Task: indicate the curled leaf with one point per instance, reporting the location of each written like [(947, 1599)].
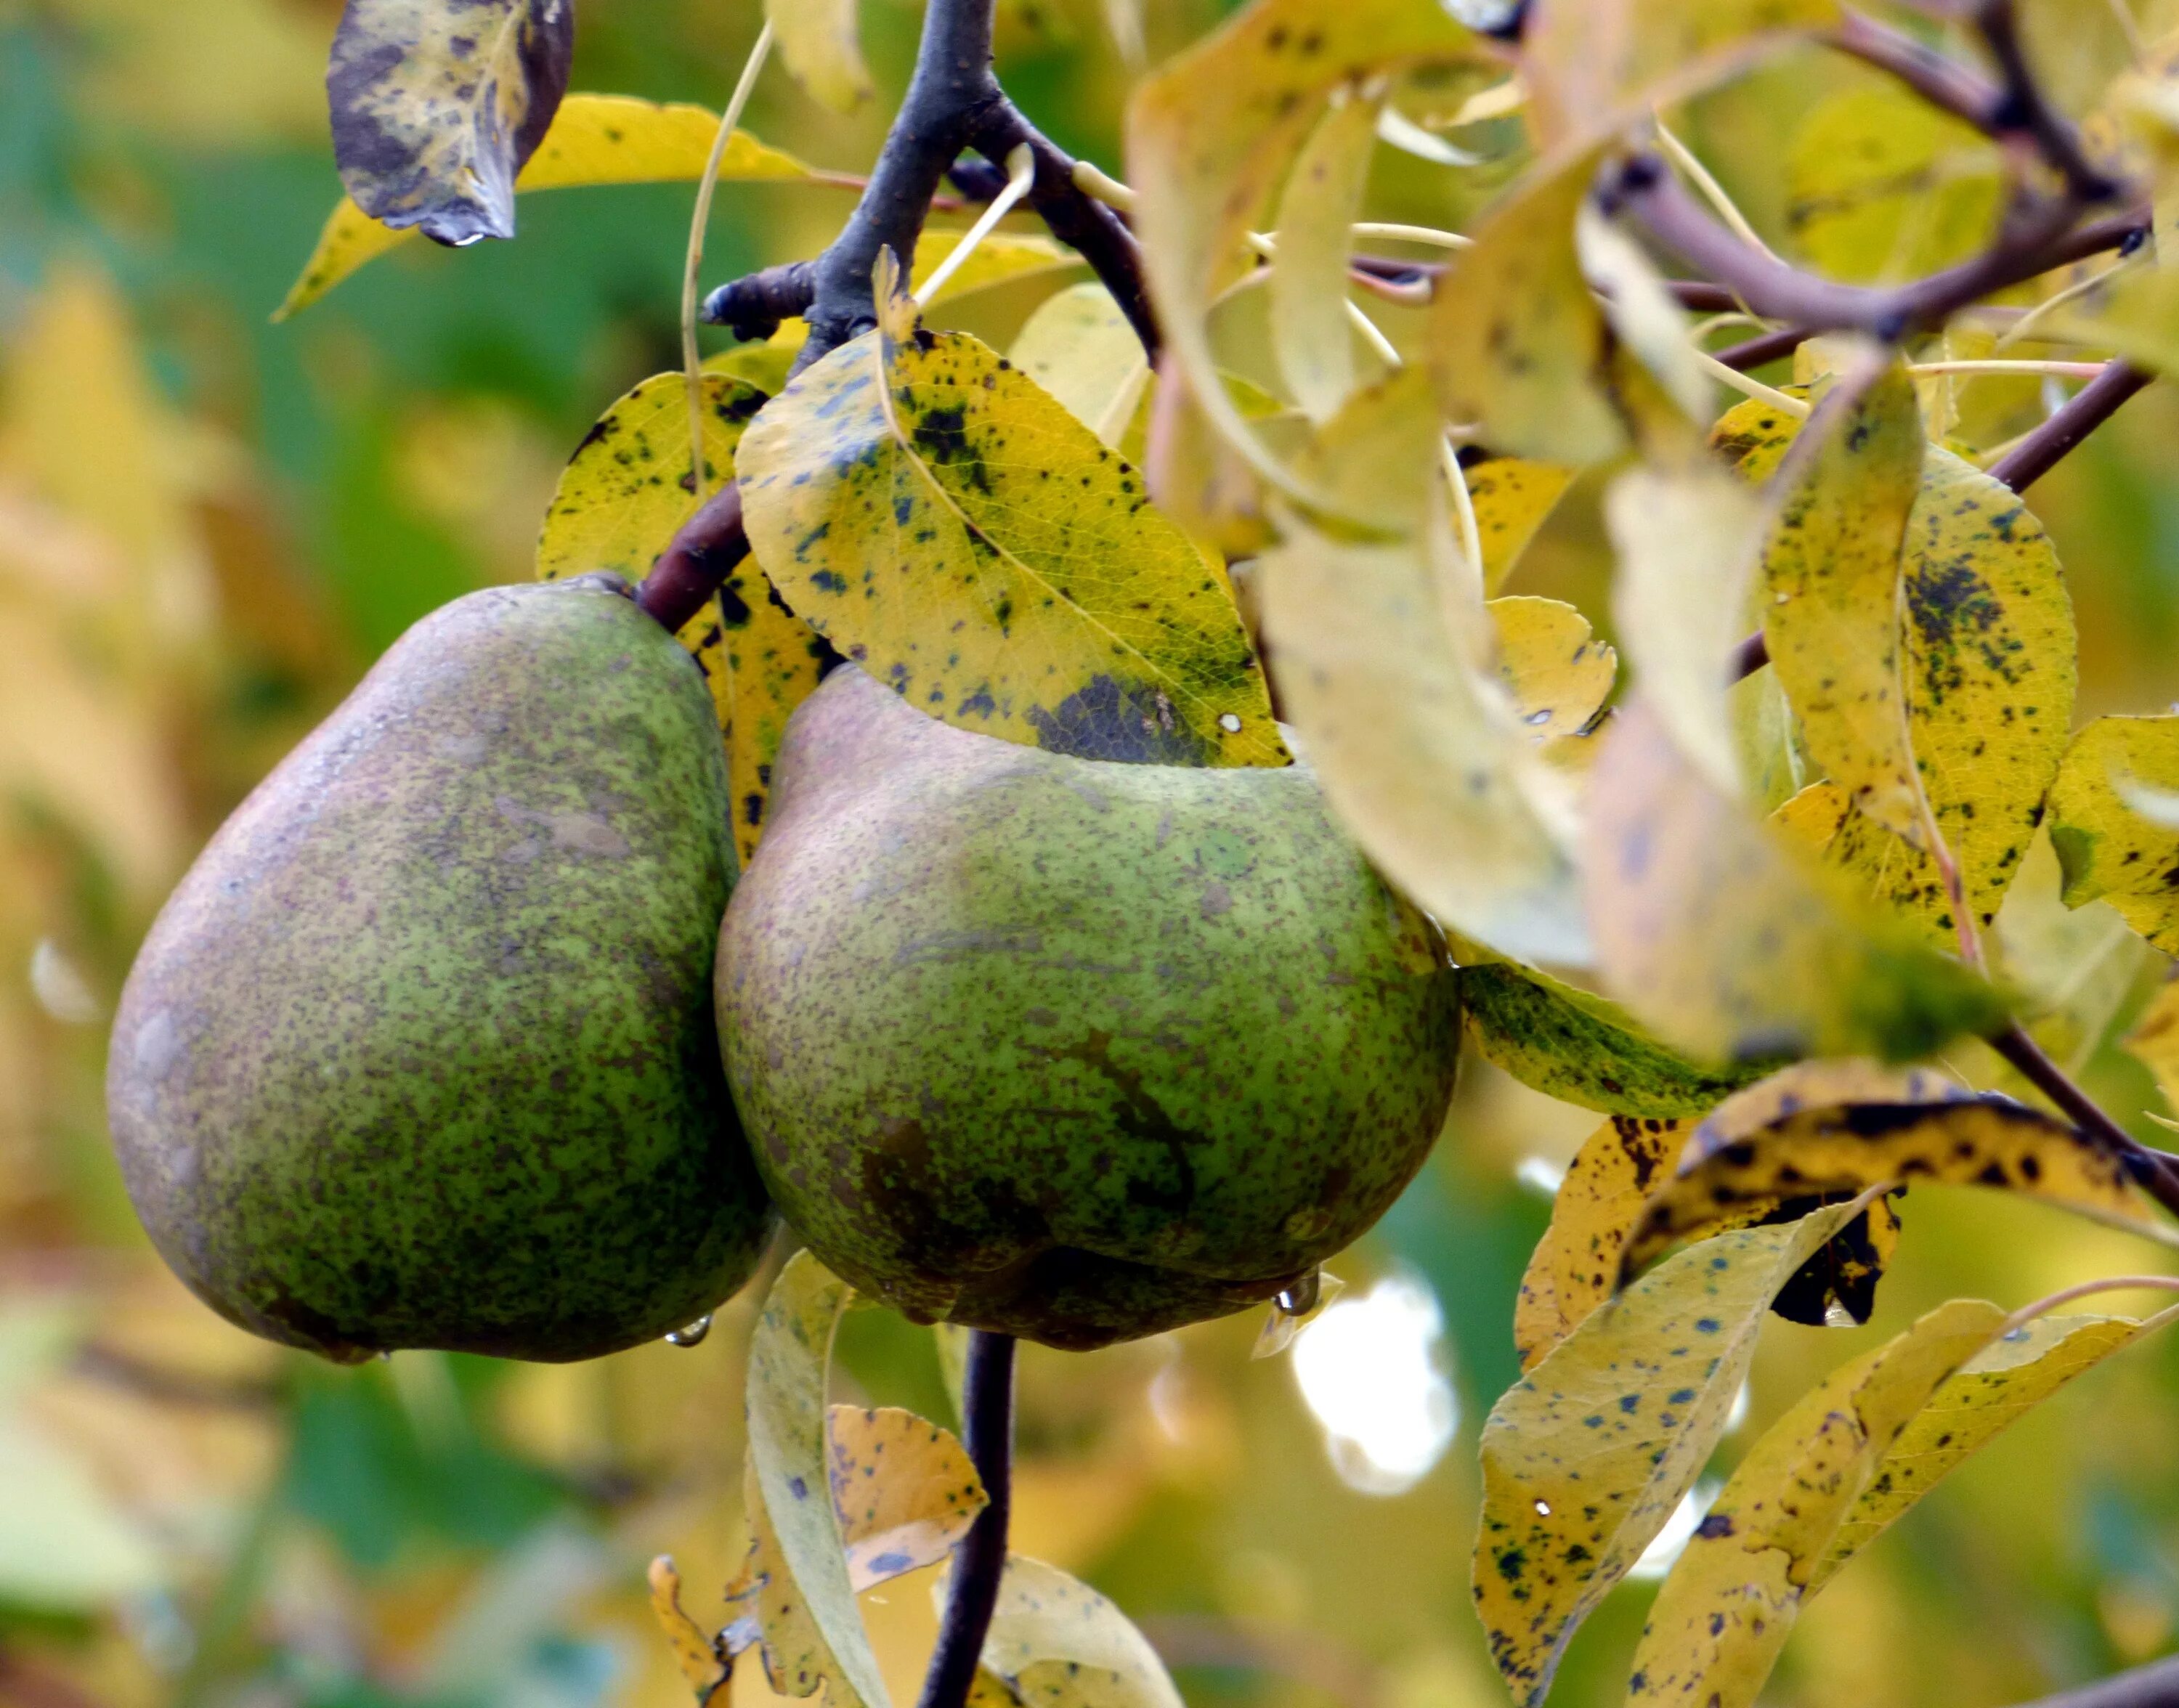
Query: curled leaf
[(593, 139), (1311, 339), (696, 1654), (1585, 1457), (436, 106), (1986, 1141)]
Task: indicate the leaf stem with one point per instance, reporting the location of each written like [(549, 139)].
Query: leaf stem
[(2110, 1284), (979, 1558)]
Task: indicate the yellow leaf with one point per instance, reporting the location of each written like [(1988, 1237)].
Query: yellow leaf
[(700, 1661), (436, 108), (904, 1490), (1550, 662), (1519, 347), (1580, 1048), (1987, 1141), (594, 139), (1884, 186), (1079, 346), (1311, 339), (764, 364), (1686, 540), (621, 500), (1584, 1458), (1592, 64), (819, 42), (2154, 1041), (1056, 1643), (1211, 132), (2106, 846), (1716, 1627), (1380, 666), (1832, 590), (1990, 674), (1512, 499), (947, 524), (1732, 943), (788, 1457), (1978, 1403), (998, 259)]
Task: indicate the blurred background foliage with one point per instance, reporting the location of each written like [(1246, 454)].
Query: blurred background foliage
[(210, 525)]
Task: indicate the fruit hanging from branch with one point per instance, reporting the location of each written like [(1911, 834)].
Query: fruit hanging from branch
[(421, 1053)]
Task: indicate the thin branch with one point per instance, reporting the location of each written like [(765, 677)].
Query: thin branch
[(2154, 1686), (1941, 81), (2087, 409), (698, 561), (979, 1558), (2152, 1170), (2025, 108), (1765, 348), (752, 308), (2035, 239)]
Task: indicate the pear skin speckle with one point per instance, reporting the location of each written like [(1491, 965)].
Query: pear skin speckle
[(1075, 1049), (421, 1052)]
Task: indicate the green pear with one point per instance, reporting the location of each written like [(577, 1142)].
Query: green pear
[(1073, 1049), (421, 1052)]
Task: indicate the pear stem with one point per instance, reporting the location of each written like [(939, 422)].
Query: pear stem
[(979, 1558), (697, 561)]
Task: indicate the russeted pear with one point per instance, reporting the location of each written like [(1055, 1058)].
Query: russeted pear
[(421, 1052), (1073, 1049)]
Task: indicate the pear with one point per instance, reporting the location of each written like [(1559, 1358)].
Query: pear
[(1073, 1049), (421, 1052)]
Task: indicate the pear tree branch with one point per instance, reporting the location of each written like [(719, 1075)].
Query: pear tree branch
[(2156, 1685)]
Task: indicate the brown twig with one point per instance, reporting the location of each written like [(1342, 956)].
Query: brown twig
[(979, 1558), (698, 561), (1941, 81), (2087, 409), (2156, 1685)]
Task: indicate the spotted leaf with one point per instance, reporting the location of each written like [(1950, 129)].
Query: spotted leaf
[(438, 103), (1558, 672), (1985, 1141), (1056, 1643), (1585, 1457), (1512, 499), (620, 500), (2108, 847), (1717, 1626), (945, 521)]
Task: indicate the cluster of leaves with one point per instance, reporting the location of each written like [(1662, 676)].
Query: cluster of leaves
[(1731, 917)]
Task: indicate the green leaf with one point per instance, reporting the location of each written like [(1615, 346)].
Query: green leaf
[(2136, 314), (1214, 130), (947, 523), (2107, 847), (1831, 591), (1056, 1643), (594, 139), (1380, 667), (819, 1639), (1080, 347), (1585, 1458), (1985, 1141), (1518, 348), (819, 42), (1583, 1048), (1734, 944), (1882, 186), (1988, 1394), (1717, 1626), (1311, 339), (436, 107)]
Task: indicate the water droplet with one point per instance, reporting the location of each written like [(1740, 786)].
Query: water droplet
[(1230, 722), (694, 1334), (1300, 1299), (1543, 1509)]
